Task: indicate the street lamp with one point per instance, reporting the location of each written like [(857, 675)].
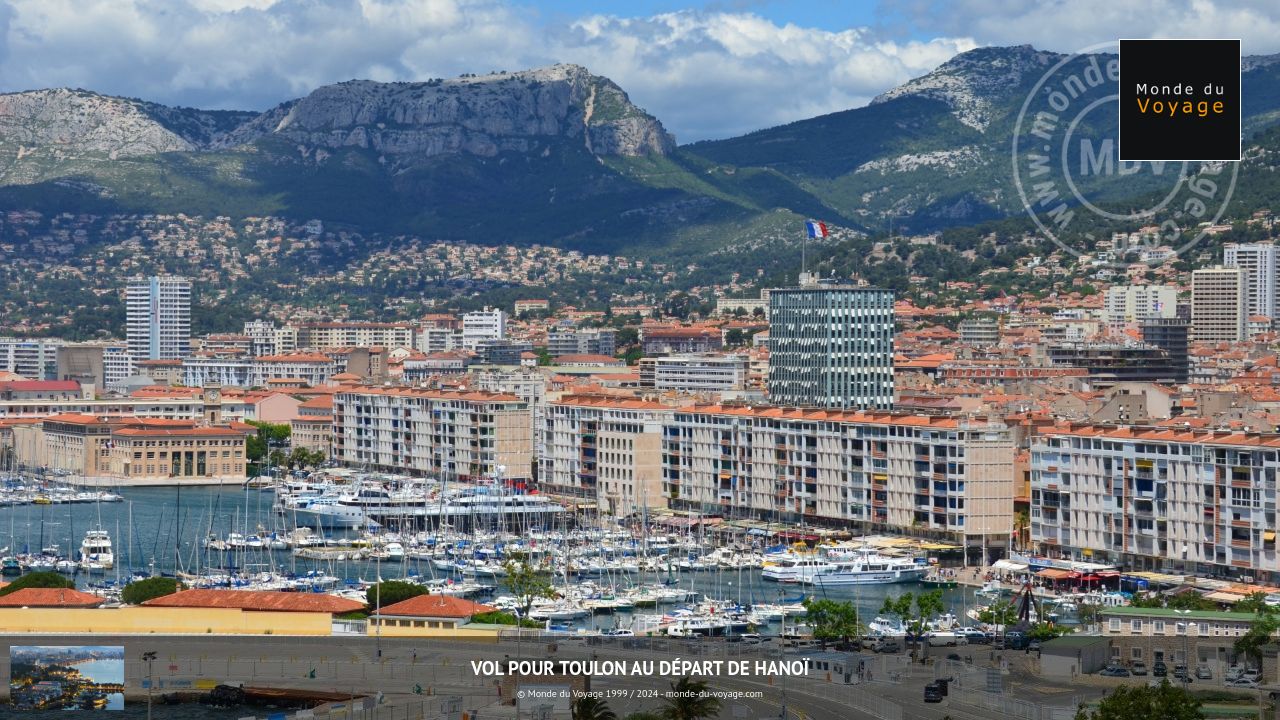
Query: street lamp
[(149, 658), (1186, 659)]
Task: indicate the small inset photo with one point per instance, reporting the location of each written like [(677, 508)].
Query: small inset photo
[(66, 677)]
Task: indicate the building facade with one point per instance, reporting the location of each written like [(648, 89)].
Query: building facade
[(33, 359), (582, 342), (1190, 501), (1125, 304), (159, 318), (486, 324), (831, 346), (875, 471), (1219, 304), (707, 372), (354, 334), (1259, 261), (470, 436), (604, 451)]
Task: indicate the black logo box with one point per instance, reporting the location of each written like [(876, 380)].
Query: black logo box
[(1187, 69)]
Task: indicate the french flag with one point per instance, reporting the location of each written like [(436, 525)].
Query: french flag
[(816, 229)]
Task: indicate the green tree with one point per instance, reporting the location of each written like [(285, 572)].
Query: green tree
[(1128, 702), (1255, 603), (140, 591), (1147, 600), (273, 433), (1190, 601), (927, 605), (735, 337), (1260, 633), (831, 619), (390, 592), (591, 708), (526, 581), (38, 580), (689, 701), (644, 716)]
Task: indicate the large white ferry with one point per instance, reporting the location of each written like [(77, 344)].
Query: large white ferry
[(868, 568)]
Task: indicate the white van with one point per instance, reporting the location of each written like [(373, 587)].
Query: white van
[(947, 639)]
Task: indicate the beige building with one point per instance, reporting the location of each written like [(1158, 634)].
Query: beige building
[(878, 470), (605, 451), (458, 435), (135, 451), (1219, 304), (312, 427)]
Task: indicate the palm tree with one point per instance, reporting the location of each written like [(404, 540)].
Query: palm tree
[(591, 708), (689, 700)]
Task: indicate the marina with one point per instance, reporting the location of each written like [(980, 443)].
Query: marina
[(635, 578)]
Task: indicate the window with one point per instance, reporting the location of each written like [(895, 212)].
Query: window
[(1159, 627), (1114, 625), (1136, 653), (1135, 625)]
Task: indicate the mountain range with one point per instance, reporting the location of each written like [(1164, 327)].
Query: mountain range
[(555, 156)]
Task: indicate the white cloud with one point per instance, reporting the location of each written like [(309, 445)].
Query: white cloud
[(712, 74), (1069, 26), (704, 74)]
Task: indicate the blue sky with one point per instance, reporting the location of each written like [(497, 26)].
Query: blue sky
[(706, 69)]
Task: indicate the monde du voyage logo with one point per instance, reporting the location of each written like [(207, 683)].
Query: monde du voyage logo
[(1126, 136)]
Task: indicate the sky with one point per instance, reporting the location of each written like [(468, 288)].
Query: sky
[(707, 69)]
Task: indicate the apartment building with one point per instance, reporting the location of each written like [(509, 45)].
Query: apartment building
[(97, 364), (1126, 304), (675, 340), (159, 318), (980, 331), (486, 324), (313, 369), (1174, 499), (1219, 304), (354, 334), (591, 341), (312, 428), (473, 436), (707, 372), (33, 359), (1259, 262), (877, 471), (605, 451)]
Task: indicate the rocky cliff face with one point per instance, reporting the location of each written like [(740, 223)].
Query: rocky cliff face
[(405, 122), (83, 122), (482, 115), (973, 83)]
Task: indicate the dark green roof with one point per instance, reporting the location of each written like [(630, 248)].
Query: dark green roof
[(1074, 642), (1170, 614)]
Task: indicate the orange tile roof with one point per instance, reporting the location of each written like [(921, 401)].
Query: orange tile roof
[(49, 597), (257, 600), (318, 402), (179, 432), (295, 357), (436, 606)]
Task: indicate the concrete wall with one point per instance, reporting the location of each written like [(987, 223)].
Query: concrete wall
[(149, 620)]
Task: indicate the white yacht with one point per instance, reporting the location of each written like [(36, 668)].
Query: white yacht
[(95, 551), (791, 569), (867, 568)]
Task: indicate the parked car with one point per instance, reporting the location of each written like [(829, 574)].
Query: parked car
[(1241, 682), (932, 693), (1113, 671), (887, 645), (1159, 669), (1137, 667), (1252, 675), (1034, 646), (974, 636), (1203, 672), (1234, 672)]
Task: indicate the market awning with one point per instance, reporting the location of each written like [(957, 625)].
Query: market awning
[(1054, 574), (1009, 565), (1224, 597)]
